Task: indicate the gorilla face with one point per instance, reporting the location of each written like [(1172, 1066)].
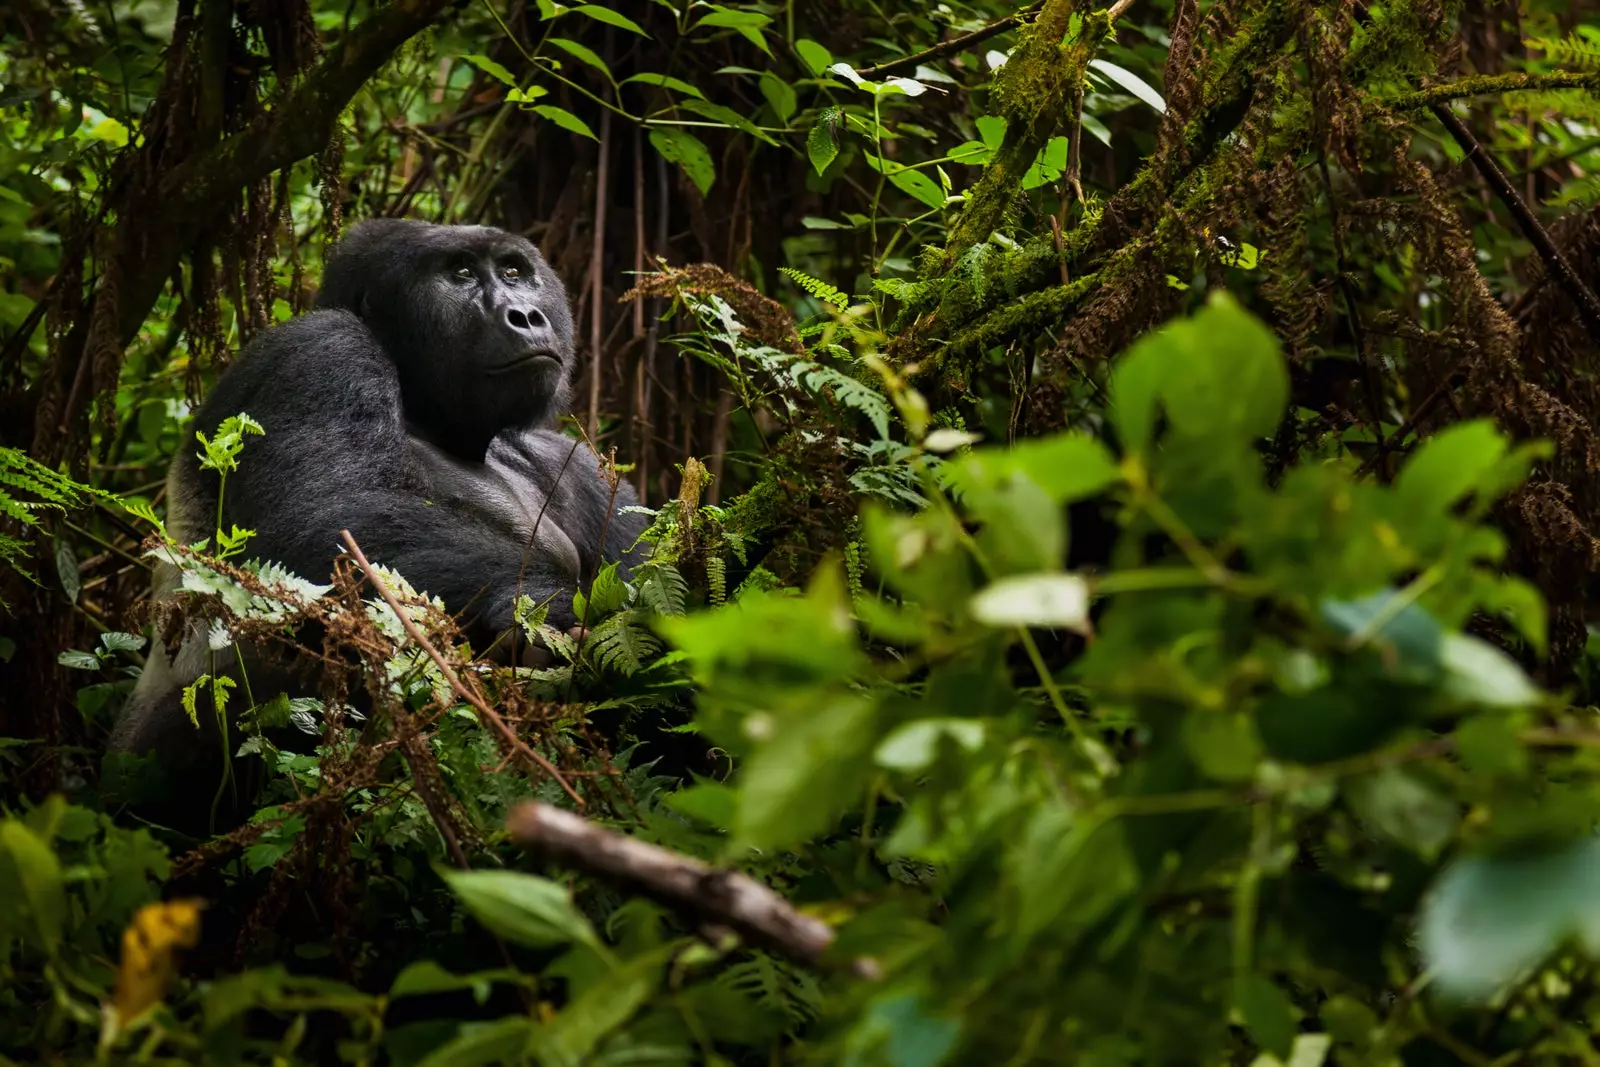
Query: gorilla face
[(476, 322)]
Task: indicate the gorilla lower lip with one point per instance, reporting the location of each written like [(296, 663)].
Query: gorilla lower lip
[(524, 360)]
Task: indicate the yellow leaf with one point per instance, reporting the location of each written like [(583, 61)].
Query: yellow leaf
[(148, 944)]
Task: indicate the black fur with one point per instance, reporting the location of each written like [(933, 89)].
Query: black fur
[(415, 407)]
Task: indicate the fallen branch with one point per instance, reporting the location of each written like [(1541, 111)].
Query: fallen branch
[(490, 716), (681, 882)]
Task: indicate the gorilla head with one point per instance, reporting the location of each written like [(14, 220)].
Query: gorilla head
[(475, 320)]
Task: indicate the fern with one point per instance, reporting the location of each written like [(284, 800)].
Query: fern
[(28, 487), (816, 287), (661, 588), (620, 644), (775, 986), (717, 580)]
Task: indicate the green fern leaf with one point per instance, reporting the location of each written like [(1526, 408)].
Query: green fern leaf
[(816, 287)]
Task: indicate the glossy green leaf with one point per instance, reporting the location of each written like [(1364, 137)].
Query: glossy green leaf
[(583, 53), (523, 908), (1067, 466), (1053, 600), (1491, 918), (565, 119), (1400, 807), (1268, 1014), (689, 152), (609, 17), (822, 143), (1476, 672), (779, 94), (31, 883), (816, 58), (492, 68), (727, 116), (1130, 81), (665, 81)]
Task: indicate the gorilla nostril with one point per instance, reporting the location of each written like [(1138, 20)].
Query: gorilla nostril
[(528, 319)]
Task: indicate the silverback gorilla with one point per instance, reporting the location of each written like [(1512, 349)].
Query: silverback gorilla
[(414, 407)]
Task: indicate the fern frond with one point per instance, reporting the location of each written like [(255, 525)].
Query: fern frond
[(620, 644), (662, 589), (816, 287)]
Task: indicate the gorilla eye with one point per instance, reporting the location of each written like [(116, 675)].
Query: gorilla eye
[(511, 273), (464, 273)]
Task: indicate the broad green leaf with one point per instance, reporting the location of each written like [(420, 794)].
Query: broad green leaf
[(817, 58), (1403, 809), (565, 119), (1476, 672), (689, 152), (806, 768), (1409, 636), (1268, 1014), (991, 130), (31, 882), (523, 908), (822, 143), (917, 185), (583, 53), (1131, 82), (913, 746), (727, 116), (1218, 374), (486, 1044), (1053, 600), (426, 976), (601, 1010), (1068, 872), (899, 1030), (491, 68), (748, 24), (1224, 745), (779, 94), (1448, 466), (116, 641), (78, 661), (665, 81), (1067, 466), (609, 17), (1489, 919)]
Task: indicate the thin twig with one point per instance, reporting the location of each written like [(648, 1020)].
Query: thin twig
[(597, 276), (1581, 295), (681, 882), (489, 714), (952, 46)]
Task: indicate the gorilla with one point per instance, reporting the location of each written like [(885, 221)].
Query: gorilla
[(414, 406)]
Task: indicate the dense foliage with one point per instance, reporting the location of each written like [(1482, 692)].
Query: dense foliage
[(1123, 487)]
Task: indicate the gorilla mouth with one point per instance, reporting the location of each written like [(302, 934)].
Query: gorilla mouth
[(526, 359)]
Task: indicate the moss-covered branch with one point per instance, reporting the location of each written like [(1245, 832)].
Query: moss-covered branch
[(1488, 84)]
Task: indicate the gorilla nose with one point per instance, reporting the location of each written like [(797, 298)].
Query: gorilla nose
[(527, 320)]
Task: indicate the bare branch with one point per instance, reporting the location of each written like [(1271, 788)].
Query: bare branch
[(681, 882)]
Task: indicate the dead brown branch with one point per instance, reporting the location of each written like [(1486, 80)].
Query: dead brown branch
[(685, 884)]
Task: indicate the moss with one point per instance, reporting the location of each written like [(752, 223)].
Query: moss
[(1036, 310), (1486, 84), (1032, 91)]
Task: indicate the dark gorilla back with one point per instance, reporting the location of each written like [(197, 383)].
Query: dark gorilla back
[(415, 407)]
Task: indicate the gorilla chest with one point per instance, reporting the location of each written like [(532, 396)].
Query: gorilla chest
[(508, 502)]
